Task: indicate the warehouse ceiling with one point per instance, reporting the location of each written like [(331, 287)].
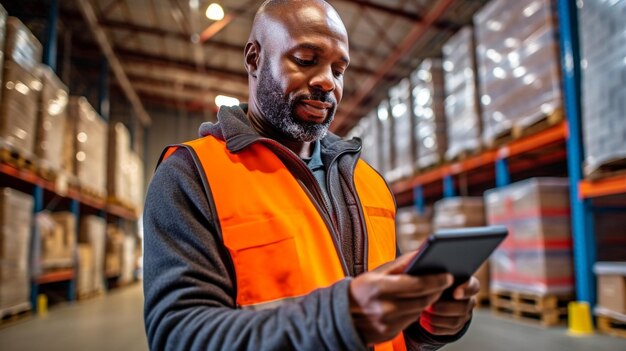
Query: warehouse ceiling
[(172, 55)]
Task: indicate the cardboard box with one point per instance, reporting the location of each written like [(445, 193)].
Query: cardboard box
[(16, 214), (412, 228), (85, 279), (87, 135), (459, 212), (114, 251), (52, 119), (93, 233), (118, 161), (3, 27), (537, 255), (611, 285), (21, 46), (18, 110)]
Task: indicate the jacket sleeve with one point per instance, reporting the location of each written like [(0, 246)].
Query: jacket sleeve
[(190, 294)]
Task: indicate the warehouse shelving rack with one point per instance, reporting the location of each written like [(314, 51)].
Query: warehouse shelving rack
[(44, 192), (559, 143)]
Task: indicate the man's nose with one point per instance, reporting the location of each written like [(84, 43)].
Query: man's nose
[(323, 79)]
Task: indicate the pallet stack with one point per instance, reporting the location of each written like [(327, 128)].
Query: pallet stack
[(16, 216), (517, 53), (386, 139), (20, 91), (91, 255), (412, 228), (611, 307), (51, 123), (57, 235), (429, 115), (603, 86), (535, 261), (461, 104), (85, 147), (403, 144)]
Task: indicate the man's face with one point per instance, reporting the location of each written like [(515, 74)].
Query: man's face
[(300, 79)]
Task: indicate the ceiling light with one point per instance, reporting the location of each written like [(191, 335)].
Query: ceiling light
[(214, 12), (222, 100)]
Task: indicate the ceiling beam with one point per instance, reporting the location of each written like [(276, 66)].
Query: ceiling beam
[(347, 109), (114, 63), (210, 31), (411, 16)]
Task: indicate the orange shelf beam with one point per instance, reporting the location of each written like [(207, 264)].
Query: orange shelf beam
[(603, 187), (550, 136), (56, 276)]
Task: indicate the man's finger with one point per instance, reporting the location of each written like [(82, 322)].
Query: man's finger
[(447, 308), (466, 290), (407, 286)]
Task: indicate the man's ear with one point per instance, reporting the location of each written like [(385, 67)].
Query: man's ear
[(252, 57)]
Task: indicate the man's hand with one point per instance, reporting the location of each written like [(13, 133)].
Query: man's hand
[(383, 302), (448, 317)]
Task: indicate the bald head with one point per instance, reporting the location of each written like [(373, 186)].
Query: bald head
[(296, 57), (294, 13)]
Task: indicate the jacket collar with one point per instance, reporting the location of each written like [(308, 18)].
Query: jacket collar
[(233, 127)]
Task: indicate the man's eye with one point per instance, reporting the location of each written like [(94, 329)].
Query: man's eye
[(338, 74), (302, 62)]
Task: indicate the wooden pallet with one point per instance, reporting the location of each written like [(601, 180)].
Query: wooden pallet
[(17, 159), (616, 167), (498, 139), (465, 154), (13, 313), (542, 123), (483, 301), (92, 193), (547, 310), (612, 326)]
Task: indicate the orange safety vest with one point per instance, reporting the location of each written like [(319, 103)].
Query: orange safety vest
[(280, 245)]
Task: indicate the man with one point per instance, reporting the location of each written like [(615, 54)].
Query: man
[(269, 234)]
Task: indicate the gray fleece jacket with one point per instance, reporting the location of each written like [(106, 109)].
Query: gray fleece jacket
[(189, 282)]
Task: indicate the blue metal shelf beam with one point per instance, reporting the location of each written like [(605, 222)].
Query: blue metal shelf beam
[(581, 211), (50, 48)]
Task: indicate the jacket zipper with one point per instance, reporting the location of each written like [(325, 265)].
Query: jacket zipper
[(316, 198)]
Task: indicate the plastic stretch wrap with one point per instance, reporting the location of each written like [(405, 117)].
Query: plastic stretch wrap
[(517, 53), (52, 119), (603, 44), (461, 104), (403, 144), (428, 110), (16, 217), (537, 255)]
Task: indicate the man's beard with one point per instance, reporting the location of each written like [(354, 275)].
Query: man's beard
[(279, 109)]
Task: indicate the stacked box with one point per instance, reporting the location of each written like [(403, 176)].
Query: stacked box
[(57, 232), (403, 144), (85, 278), (611, 286), (603, 44), (412, 228), (52, 119), (136, 180), (20, 89), (129, 259), (16, 215), (367, 130), (114, 251), (518, 64), (428, 110), (386, 142), (459, 212), (118, 160), (461, 104), (93, 233), (86, 138), (536, 257), (463, 212), (3, 26)]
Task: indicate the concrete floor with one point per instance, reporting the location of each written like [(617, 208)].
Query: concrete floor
[(114, 322)]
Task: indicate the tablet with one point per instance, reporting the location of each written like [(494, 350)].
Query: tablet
[(457, 251)]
